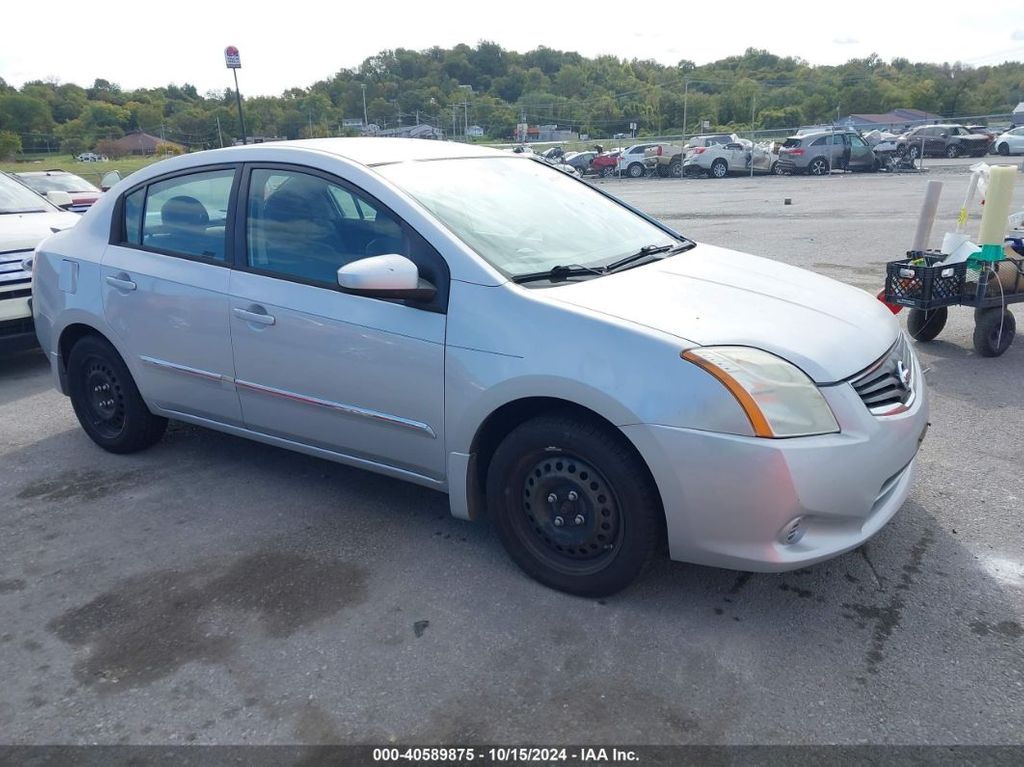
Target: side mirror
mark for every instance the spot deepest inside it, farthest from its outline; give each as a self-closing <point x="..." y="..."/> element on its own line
<point x="60" y="199"/>
<point x="945" y="135"/>
<point x="109" y="180"/>
<point x="389" y="276"/>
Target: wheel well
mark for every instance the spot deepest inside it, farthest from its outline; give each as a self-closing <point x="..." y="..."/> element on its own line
<point x="508" y="417"/>
<point x="71" y="335"/>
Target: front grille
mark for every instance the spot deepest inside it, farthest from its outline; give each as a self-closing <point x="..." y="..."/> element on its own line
<point x="11" y="272"/>
<point x="887" y="387"/>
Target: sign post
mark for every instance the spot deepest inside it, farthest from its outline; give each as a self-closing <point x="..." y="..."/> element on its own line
<point x="233" y="61"/>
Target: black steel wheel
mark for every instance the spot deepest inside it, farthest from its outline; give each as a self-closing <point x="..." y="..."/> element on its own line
<point x="573" y="505"/>
<point x="819" y="166"/>
<point x="924" y="325"/>
<point x="106" y="401"/>
<point x="993" y="331"/>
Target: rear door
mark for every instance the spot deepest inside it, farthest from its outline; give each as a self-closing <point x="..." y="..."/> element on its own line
<point x="359" y="376"/>
<point x="165" y="290"/>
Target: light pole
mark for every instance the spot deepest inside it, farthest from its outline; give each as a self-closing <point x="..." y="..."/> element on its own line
<point x="365" y="121"/>
<point x="686" y="93"/>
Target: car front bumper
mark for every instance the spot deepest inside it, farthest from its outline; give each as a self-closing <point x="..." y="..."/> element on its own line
<point x="730" y="500"/>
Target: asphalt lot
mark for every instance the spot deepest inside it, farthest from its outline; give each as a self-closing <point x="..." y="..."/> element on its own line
<point x="213" y="590"/>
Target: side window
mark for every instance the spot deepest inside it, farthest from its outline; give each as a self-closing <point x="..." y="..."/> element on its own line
<point x="188" y="214"/>
<point x="133" y="204"/>
<point x="303" y="226"/>
<point x="857" y="141"/>
<point x="820" y="141"/>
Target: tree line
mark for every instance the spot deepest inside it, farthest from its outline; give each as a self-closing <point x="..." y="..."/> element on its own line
<point x="495" y="88"/>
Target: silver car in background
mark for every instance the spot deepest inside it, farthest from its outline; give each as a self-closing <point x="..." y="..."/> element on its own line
<point x="450" y="315"/>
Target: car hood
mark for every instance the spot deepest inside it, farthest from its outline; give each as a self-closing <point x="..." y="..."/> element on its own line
<point x="713" y="296"/>
<point x="23" y="231"/>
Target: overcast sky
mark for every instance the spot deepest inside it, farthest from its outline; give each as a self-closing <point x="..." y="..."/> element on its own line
<point x="295" y="43"/>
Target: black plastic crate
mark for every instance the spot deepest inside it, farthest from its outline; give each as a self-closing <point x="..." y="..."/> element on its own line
<point x="924" y="286"/>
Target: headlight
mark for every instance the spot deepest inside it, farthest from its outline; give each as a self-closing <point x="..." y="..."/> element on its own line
<point x="778" y="398"/>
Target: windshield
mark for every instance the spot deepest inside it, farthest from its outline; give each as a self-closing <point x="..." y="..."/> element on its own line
<point x="65" y="182"/>
<point x="15" y="198"/>
<point x="522" y="216"/>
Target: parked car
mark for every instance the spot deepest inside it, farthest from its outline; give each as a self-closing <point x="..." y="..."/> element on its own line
<point x="347" y="299"/>
<point x="83" y="194"/>
<point x="736" y="157"/>
<point x="942" y="141"/>
<point x="670" y="161"/>
<point x="605" y="163"/>
<point x="1010" y="142"/>
<point x="631" y="161"/>
<point x="820" y="153"/>
<point x="26" y="219"/>
<point x="581" y="161"/>
<point x="983" y="130"/>
<point x="91" y="157"/>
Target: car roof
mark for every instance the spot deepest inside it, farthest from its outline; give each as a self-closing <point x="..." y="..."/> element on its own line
<point x="367" y="151"/>
<point x="51" y="172"/>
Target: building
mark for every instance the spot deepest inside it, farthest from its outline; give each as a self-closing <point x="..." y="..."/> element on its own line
<point x="259" y="139"/>
<point x="898" y="120"/>
<point x="352" y="122"/>
<point x="1018" y="114"/>
<point x="475" y="131"/>
<point x="139" y="143"/>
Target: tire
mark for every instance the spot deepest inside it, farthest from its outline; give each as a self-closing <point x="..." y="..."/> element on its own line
<point x="106" y="400"/>
<point x="993" y="331"/>
<point x="953" y="151"/>
<point x="605" y="172"/>
<point x="924" y="325"/>
<point x="635" y="170"/>
<point x="913" y="152"/>
<point x="675" y="168"/>
<point x="1003" y="149"/>
<point x="558" y="456"/>
<point x="719" y="169"/>
<point x="819" y="166"/>
<point x="901" y="149"/>
<point x="662" y="171"/>
<point x="774" y="170"/>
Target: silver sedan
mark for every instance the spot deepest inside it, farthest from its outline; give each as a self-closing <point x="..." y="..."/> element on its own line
<point x="485" y="325"/>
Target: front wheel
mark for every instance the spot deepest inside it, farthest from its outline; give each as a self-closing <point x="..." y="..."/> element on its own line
<point x="993" y="331"/>
<point x="719" y="168"/>
<point x="605" y="172"/>
<point x="106" y="400"/>
<point x="924" y="325"/>
<point x="914" y="152"/>
<point x="952" y="151"/>
<point x="573" y="505"/>
<point x="1004" y="149"/>
<point x="636" y="170"/>
<point x="675" y="168"/>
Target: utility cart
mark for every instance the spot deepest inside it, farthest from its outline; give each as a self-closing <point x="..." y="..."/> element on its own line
<point x="928" y="288"/>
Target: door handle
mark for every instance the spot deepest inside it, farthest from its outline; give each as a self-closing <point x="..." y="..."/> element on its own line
<point x="257" y="317"/>
<point x="122" y="282"/>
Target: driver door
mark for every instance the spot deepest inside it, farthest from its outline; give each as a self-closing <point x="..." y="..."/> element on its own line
<point x="361" y="377"/>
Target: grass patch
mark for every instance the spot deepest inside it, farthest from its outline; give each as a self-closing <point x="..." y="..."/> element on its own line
<point x="90" y="171"/>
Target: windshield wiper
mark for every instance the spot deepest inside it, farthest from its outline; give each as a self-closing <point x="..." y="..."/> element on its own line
<point x="560" y="273"/>
<point x="647" y="251"/>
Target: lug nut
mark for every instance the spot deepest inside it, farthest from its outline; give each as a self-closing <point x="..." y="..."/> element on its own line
<point x="552" y="498"/>
<point x="579" y="520"/>
<point x="573" y="495"/>
<point x="559" y="521"/>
